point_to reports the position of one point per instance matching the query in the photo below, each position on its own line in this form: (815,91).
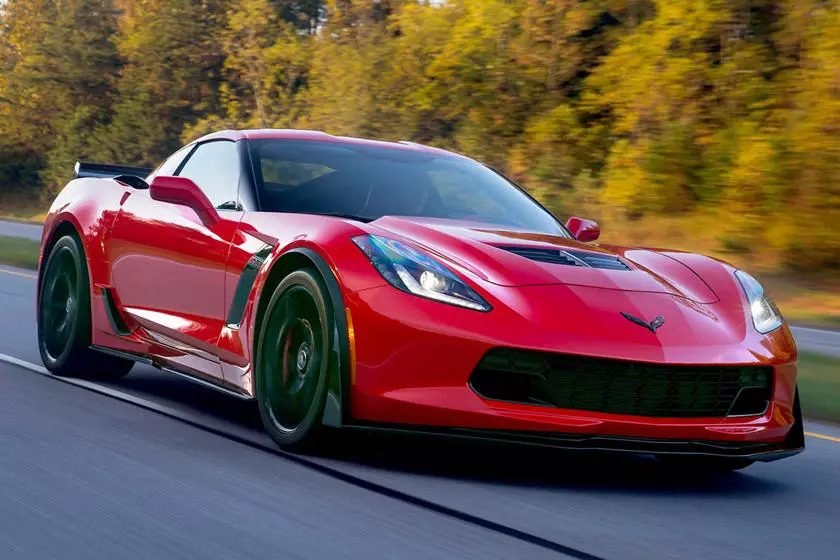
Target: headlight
(411,271)
(765,315)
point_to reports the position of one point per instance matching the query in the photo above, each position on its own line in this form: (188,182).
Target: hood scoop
(568,257)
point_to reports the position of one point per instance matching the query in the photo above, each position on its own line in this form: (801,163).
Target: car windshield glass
(369,182)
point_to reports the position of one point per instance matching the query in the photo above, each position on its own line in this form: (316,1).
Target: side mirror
(184,192)
(583,230)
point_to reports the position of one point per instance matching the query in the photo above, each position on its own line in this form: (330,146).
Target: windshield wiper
(341,215)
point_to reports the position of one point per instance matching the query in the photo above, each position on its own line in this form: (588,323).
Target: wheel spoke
(291,359)
(307,391)
(57,307)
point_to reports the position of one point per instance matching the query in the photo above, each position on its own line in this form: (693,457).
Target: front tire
(293,360)
(64,318)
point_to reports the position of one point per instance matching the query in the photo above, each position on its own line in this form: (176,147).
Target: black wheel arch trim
(338,390)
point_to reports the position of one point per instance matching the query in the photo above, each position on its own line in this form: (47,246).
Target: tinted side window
(169,166)
(214,167)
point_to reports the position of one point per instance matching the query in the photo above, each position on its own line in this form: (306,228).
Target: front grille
(568,258)
(622,387)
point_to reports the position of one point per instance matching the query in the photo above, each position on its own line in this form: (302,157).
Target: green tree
(667,90)
(56,82)
(304,15)
(350,60)
(653,107)
(811,211)
(266,64)
(171,77)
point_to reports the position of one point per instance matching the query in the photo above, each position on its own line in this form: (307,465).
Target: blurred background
(705,125)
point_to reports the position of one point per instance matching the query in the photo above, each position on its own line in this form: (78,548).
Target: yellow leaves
(626,181)
(813,135)
(655,174)
(548,157)
(639,106)
(339,93)
(749,171)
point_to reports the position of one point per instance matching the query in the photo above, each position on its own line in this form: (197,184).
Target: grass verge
(15,251)
(22,207)
(819,387)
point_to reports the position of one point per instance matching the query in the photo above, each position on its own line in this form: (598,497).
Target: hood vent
(568,258)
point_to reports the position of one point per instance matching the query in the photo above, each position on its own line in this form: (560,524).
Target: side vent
(114,317)
(244,285)
(568,258)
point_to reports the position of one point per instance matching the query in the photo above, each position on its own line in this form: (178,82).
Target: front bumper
(414,359)
(754,451)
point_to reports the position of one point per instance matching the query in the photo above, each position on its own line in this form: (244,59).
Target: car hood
(507,258)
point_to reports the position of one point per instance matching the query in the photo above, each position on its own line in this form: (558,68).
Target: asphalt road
(180,471)
(19,229)
(819,341)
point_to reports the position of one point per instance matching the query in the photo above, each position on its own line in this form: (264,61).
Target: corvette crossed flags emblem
(652,326)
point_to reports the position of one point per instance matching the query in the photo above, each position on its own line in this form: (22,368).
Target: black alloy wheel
(293,360)
(59,303)
(64,318)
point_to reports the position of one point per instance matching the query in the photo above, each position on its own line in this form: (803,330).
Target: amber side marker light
(351,334)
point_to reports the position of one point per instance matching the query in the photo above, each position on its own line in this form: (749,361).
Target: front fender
(276,266)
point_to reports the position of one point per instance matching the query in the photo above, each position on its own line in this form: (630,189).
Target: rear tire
(64,318)
(293,359)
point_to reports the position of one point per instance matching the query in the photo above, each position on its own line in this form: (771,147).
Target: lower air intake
(622,387)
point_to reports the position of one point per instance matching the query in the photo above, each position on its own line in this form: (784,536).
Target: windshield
(368,182)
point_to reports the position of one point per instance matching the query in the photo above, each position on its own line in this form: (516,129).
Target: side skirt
(188,376)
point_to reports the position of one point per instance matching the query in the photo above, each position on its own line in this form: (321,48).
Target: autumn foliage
(649,107)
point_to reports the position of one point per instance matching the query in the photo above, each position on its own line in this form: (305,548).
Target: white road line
(95,387)
(26,365)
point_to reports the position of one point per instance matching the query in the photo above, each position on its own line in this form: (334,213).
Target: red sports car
(370,285)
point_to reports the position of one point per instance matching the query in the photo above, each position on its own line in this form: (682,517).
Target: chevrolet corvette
(353,284)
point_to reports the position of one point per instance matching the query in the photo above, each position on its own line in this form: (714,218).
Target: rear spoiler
(107,171)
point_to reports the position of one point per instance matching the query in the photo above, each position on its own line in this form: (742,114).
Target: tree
(653,107)
(666,92)
(266,64)
(171,77)
(56,82)
(813,189)
(304,15)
